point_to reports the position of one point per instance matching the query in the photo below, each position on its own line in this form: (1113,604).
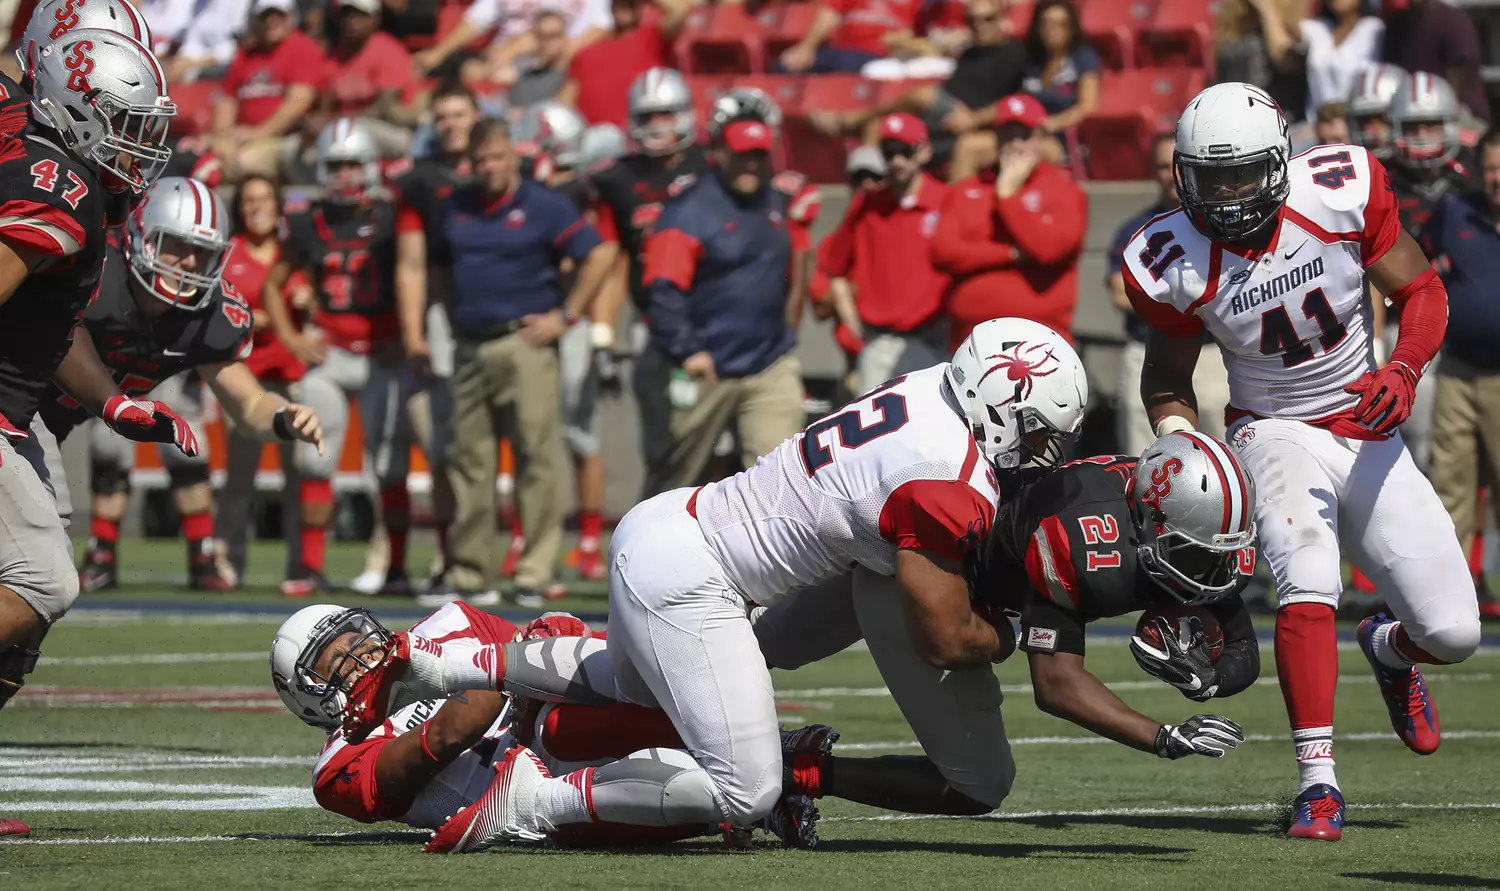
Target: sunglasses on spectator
(895,148)
(863,178)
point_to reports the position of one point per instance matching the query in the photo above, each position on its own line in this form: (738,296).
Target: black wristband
(281,426)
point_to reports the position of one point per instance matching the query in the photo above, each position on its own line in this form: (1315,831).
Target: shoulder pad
(1170,259)
(229,327)
(600,167)
(1332,184)
(399,167)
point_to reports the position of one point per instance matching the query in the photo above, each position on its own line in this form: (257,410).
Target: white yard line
(151,659)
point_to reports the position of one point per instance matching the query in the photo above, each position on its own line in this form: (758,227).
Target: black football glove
(607,367)
(1184,663)
(1211,735)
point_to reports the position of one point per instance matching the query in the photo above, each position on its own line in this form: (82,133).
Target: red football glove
(555,625)
(1386,397)
(143,420)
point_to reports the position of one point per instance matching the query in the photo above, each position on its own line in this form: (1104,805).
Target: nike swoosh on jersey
(1292,254)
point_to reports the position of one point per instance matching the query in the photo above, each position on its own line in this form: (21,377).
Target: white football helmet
(1014,378)
(1193,506)
(1230,162)
(315,693)
(742,103)
(557,131)
(54,18)
(347,141)
(661,91)
(1427,99)
(178,217)
(1369,111)
(106,96)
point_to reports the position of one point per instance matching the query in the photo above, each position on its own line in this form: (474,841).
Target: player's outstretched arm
(266,416)
(944,627)
(83,376)
(1065,689)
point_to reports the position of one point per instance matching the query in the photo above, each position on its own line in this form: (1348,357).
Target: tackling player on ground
(1271,255)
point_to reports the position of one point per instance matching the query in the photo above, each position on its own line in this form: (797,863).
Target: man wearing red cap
(1010,237)
(880,252)
(722,296)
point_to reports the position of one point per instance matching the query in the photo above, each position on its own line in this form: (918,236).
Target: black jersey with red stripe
(142,350)
(50,206)
(628,196)
(421,189)
(1062,553)
(1418,191)
(349,252)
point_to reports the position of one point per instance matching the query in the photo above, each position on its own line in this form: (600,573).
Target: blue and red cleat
(13,828)
(1413,714)
(1319,814)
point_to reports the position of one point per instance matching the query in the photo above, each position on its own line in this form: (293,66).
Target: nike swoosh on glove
(1185,664)
(1386,397)
(1211,735)
(143,420)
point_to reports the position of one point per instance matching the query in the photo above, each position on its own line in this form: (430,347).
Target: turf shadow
(1157,853)
(1251,825)
(1425,879)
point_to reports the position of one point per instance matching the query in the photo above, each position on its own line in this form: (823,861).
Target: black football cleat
(98,570)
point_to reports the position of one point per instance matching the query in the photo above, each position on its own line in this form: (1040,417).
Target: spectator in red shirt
(267,93)
(255,248)
(848,34)
(368,73)
(879,258)
(1011,235)
(601,73)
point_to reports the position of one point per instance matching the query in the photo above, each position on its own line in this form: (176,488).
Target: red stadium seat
(1018,19)
(194,101)
(1111,27)
(793,23)
(725,39)
(707,88)
(1181,33)
(1134,106)
(819,157)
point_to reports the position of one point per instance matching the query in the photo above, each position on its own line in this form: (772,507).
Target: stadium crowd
(462,219)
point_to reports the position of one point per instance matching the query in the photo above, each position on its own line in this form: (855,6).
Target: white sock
(1380,645)
(1314,757)
(565,799)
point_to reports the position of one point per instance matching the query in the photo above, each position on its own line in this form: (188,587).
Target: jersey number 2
(1278,335)
(1100,530)
(852,430)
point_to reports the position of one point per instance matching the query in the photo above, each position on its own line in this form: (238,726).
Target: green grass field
(150,752)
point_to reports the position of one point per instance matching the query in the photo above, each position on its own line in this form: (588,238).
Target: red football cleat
(802,754)
(512,557)
(1319,814)
(590,565)
(506,812)
(1413,713)
(13,828)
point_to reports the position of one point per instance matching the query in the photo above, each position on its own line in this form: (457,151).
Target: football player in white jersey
(1273,256)
(886,495)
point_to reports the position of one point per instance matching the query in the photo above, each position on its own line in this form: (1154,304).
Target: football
(1176,615)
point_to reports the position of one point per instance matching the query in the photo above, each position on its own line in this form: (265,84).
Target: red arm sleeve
(604,221)
(1423,302)
(408,218)
(1382,222)
(1164,318)
(1053,233)
(934,515)
(672,254)
(345,784)
(959,254)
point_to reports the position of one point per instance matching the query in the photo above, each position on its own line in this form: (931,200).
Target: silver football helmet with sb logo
(177,241)
(1427,104)
(661,93)
(1369,113)
(54,18)
(1193,506)
(556,130)
(106,96)
(345,142)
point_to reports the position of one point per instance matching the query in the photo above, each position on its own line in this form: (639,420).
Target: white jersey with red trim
(896,468)
(338,781)
(1292,320)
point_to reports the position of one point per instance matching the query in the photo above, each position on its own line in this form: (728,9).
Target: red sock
(395,501)
(105,532)
(1307,663)
(198,526)
(315,538)
(1361,582)
(590,524)
(599,732)
(1476,555)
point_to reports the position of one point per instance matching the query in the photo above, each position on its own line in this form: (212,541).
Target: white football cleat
(506,812)
(368,582)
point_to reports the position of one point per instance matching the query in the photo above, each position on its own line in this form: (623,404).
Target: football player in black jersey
(97,120)
(1095,538)
(170,313)
(51,20)
(346,244)
(1429,162)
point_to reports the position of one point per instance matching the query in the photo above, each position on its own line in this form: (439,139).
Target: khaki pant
(1466,413)
(1210,385)
(236,500)
(490,380)
(766,409)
